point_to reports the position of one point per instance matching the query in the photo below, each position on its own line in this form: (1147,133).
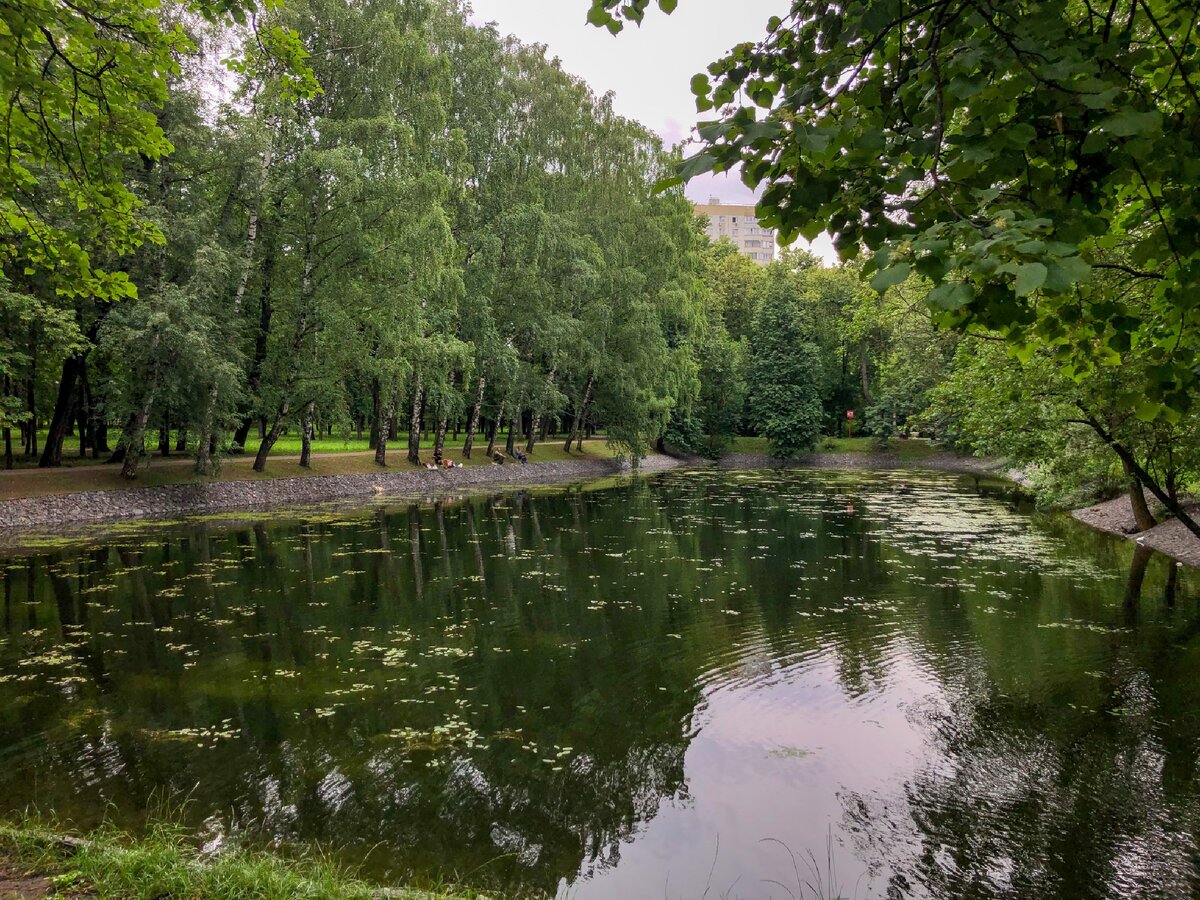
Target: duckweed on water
(578,690)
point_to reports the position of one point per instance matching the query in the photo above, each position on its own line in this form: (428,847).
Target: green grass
(112,864)
(912,448)
(287,445)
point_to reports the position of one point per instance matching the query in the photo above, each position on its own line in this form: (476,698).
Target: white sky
(648,69)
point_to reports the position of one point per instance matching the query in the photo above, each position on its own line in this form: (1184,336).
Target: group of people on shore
(498,459)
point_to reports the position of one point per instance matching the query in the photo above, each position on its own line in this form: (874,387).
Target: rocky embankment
(223,496)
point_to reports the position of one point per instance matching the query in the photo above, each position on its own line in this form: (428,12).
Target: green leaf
(696,165)
(890,277)
(950,295)
(1030,277)
(1147,410)
(1064,272)
(1128,123)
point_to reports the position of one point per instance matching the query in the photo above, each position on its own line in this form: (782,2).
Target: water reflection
(650,689)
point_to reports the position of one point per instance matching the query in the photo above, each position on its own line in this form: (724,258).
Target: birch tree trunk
(266,311)
(580,412)
(269,439)
(207,437)
(376,416)
(439,440)
(135,440)
(493,428)
(204,457)
(473,421)
(306,436)
(8,453)
(514,422)
(535,415)
(414,424)
(383,426)
(31,446)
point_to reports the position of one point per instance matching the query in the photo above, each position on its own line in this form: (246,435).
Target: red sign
(849,414)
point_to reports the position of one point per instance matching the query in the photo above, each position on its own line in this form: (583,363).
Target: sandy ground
(1173,539)
(1114,516)
(14,886)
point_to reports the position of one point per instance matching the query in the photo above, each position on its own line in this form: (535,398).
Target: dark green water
(643,689)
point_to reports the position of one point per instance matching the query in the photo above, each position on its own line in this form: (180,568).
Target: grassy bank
(37,861)
(157,471)
(287,445)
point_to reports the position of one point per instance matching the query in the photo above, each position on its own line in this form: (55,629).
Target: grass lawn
(912,448)
(178,469)
(287,445)
(163,863)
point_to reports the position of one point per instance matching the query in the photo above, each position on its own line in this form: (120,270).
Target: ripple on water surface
(653,688)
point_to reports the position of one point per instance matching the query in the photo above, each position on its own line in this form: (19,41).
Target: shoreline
(206,498)
(63,514)
(151,502)
(1169,537)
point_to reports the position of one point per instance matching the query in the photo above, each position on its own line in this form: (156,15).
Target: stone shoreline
(81,508)
(167,501)
(59,512)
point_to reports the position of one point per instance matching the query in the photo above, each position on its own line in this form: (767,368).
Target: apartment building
(740,225)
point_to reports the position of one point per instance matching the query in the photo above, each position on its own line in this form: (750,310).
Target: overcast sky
(648,69)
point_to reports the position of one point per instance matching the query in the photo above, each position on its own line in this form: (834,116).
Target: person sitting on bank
(521,457)
(498,458)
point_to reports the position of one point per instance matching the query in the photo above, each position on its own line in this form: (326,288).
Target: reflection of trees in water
(1066,784)
(613,697)
(567,601)
(1022,812)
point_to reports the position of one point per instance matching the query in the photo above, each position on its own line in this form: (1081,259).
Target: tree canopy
(1007,152)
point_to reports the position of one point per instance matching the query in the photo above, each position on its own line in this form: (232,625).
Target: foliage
(399,219)
(1029,413)
(83,83)
(1007,153)
(783,374)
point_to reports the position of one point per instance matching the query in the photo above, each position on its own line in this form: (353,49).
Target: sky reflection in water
(643,689)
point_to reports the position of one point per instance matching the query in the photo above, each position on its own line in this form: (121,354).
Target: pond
(754,684)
